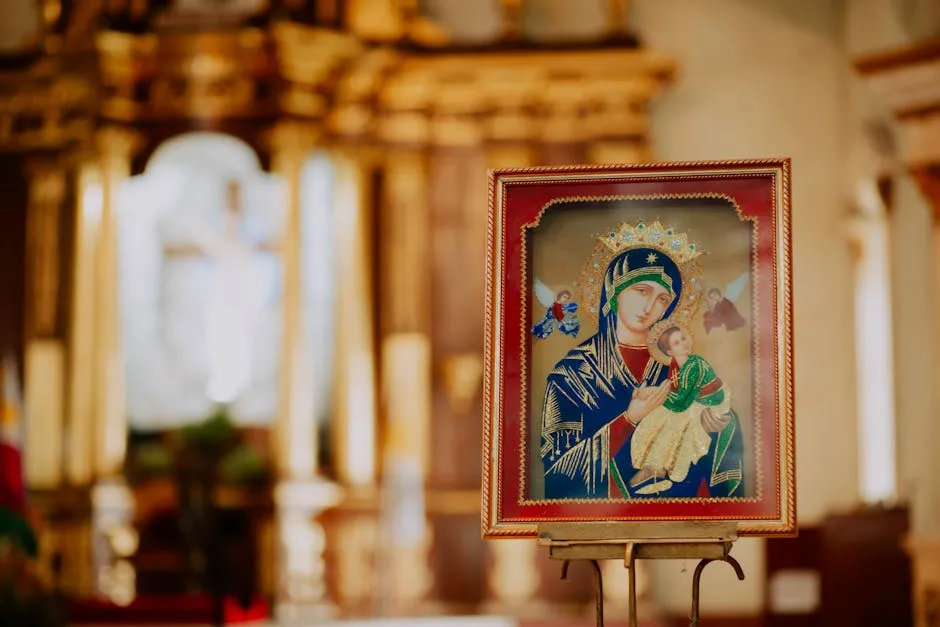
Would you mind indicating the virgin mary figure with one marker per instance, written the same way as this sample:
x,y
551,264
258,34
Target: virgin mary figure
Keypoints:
x,y
603,388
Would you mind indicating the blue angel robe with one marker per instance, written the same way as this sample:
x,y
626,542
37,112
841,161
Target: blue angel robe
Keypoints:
x,y
568,324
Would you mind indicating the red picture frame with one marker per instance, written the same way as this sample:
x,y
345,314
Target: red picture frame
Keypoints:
x,y
594,271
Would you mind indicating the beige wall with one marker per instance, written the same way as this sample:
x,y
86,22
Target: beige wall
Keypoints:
x,y
766,79
881,27
774,78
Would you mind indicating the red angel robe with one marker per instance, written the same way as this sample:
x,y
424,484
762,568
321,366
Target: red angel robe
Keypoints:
x,y
724,314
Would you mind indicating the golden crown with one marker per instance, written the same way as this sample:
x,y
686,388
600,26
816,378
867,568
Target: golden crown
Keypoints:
x,y
674,244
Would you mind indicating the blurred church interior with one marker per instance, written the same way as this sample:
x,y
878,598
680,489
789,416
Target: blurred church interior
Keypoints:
x,y
242,294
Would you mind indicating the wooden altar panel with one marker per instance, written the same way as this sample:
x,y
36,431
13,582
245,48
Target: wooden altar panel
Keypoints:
x,y
458,225
457,560
866,576
787,556
13,192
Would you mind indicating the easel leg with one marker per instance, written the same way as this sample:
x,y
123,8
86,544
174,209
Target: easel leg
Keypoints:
x,y
598,589
631,566
697,580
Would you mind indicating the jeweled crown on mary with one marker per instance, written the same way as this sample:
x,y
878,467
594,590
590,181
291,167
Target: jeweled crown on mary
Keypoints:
x,y
654,235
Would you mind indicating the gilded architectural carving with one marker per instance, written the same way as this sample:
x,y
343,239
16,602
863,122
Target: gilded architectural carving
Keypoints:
x,y
44,110
907,81
581,95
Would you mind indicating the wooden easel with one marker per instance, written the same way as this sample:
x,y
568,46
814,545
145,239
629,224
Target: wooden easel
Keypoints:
x,y
705,541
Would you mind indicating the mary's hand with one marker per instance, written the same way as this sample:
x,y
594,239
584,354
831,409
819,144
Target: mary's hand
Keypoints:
x,y
644,400
712,423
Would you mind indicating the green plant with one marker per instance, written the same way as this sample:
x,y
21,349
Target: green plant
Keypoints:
x,y
149,461
244,466
212,437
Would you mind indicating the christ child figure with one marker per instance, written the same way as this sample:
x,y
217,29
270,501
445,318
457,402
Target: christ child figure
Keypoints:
x,y
671,438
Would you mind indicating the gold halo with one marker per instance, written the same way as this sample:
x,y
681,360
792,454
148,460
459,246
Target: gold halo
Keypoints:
x,y
591,279
558,289
652,340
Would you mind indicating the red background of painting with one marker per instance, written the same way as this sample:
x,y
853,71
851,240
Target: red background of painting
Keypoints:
x,y
523,201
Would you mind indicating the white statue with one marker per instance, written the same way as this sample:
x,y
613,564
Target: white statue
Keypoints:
x,y
236,299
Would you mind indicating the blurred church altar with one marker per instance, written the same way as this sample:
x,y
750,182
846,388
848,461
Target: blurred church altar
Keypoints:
x,y
246,223
243,274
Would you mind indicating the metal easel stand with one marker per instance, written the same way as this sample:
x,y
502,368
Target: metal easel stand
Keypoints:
x,y
706,541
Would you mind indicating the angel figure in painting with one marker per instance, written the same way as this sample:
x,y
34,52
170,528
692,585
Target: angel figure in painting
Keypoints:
x,y
599,394
672,437
721,309
561,314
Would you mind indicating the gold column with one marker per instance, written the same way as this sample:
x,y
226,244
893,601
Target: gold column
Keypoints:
x,y
44,367
406,378
300,495
116,148
406,350
295,428
81,420
354,407
111,498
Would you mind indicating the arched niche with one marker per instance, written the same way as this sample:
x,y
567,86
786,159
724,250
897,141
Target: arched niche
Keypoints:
x,y
201,284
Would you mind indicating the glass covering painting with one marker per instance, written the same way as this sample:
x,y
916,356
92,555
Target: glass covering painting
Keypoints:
x,y
638,347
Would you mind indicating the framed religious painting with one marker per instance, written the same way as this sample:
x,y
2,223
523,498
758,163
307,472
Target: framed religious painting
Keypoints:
x,y
639,347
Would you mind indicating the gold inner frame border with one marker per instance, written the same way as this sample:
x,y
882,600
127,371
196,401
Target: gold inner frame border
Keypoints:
x,y
755,351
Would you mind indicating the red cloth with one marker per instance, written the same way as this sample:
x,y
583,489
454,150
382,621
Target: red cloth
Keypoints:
x,y
635,358
703,492
163,610
674,369
558,311
12,491
620,432
724,313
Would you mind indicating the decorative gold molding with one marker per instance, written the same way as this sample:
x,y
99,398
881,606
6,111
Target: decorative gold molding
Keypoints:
x,y
200,74
47,109
44,389
80,442
291,140
456,99
907,81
